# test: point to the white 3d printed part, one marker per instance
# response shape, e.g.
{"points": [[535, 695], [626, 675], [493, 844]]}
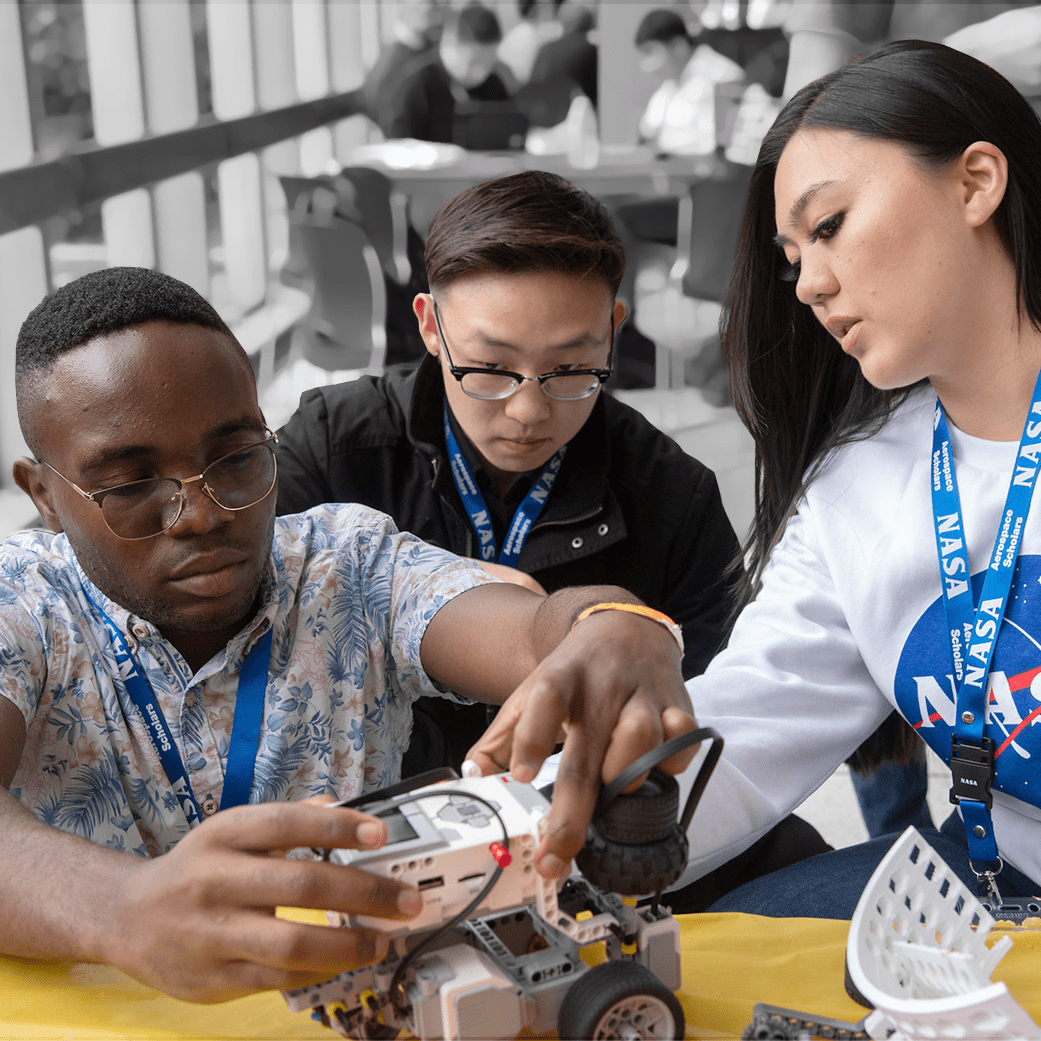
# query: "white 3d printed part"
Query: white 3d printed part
{"points": [[917, 951]]}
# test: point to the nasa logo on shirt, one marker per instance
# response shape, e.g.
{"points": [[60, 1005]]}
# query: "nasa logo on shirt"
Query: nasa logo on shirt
{"points": [[926, 691]]}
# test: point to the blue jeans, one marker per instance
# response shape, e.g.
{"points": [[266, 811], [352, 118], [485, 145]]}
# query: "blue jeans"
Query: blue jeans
{"points": [[893, 797], [829, 885]]}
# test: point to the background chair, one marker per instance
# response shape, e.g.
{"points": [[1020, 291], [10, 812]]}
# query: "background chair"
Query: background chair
{"points": [[346, 326], [364, 197], [715, 219], [682, 305], [332, 257], [385, 216]]}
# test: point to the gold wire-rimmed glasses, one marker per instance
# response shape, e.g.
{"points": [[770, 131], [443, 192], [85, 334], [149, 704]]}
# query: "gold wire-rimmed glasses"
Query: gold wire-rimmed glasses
{"points": [[143, 509]]}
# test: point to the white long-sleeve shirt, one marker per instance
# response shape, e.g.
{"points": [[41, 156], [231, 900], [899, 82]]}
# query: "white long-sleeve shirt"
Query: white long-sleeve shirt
{"points": [[850, 623]]}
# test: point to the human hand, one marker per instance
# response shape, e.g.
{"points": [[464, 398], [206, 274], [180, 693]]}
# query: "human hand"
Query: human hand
{"points": [[613, 686], [198, 922]]}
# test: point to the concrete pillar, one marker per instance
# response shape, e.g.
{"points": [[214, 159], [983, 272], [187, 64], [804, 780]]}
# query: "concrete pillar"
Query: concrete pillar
{"points": [[238, 180], [23, 265], [117, 101], [311, 51], [276, 88], [172, 103], [624, 90], [347, 67]]}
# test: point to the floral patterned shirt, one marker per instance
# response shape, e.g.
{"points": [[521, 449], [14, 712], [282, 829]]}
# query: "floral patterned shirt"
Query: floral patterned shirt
{"points": [[348, 598]]}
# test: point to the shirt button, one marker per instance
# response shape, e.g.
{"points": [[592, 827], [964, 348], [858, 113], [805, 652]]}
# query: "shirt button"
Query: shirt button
{"points": [[139, 629], [577, 541], [189, 698], [603, 529], [209, 806]]}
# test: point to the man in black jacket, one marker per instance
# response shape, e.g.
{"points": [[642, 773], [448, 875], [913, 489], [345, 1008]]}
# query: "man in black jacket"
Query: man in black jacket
{"points": [[419, 100], [501, 446], [523, 273]]}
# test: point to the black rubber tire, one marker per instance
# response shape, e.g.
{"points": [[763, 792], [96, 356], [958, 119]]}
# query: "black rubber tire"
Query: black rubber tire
{"points": [[617, 867], [613, 990], [647, 815], [851, 987]]}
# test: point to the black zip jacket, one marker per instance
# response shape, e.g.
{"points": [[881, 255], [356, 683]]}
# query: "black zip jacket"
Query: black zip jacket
{"points": [[629, 506]]}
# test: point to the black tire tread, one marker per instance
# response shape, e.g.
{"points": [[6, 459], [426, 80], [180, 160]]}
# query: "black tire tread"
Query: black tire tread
{"points": [[647, 815], [851, 987], [617, 867]]}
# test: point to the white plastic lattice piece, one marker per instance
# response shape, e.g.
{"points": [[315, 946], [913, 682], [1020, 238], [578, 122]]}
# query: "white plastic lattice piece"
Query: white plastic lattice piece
{"points": [[917, 950]]}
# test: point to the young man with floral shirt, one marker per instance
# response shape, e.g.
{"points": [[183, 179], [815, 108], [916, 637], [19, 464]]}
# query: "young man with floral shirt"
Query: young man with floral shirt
{"points": [[185, 678]]}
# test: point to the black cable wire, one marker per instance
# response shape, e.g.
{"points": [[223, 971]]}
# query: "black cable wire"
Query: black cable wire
{"points": [[411, 956], [607, 795], [657, 755]]}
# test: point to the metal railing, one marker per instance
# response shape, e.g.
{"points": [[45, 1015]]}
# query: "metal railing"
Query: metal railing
{"points": [[284, 79]]}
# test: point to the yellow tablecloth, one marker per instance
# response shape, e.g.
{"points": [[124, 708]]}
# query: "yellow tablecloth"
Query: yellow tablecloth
{"points": [[729, 963]]}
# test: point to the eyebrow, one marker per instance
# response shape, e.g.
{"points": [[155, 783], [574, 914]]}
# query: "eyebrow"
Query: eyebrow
{"points": [[108, 456], [799, 207], [586, 340]]}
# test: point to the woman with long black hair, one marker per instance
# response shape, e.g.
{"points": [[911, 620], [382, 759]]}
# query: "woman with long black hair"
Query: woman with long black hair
{"points": [[883, 329]]}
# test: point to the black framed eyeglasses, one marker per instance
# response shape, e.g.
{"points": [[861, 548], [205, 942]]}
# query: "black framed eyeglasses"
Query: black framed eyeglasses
{"points": [[143, 509], [496, 384]]}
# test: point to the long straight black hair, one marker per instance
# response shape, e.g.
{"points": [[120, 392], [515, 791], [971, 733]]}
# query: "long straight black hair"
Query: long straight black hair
{"points": [[799, 395]]}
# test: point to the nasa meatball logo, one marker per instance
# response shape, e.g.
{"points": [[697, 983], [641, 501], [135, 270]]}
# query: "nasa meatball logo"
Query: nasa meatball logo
{"points": [[926, 690]]}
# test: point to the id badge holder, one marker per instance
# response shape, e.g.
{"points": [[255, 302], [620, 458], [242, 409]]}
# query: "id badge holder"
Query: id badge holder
{"points": [[972, 770]]}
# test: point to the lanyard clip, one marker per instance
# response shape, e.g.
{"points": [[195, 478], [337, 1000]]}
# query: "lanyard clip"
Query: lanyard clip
{"points": [[987, 886], [972, 768]]}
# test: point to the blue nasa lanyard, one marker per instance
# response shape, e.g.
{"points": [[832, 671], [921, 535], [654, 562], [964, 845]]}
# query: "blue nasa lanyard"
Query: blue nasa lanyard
{"points": [[477, 509], [245, 728], [976, 628]]}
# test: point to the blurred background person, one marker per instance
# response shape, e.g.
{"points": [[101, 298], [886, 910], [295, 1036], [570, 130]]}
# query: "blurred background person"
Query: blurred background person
{"points": [[414, 36], [691, 62], [459, 69], [537, 26], [680, 116], [750, 33], [570, 62], [703, 73], [561, 96]]}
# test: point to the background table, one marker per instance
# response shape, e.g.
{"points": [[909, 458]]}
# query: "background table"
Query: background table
{"points": [[693, 201], [431, 174], [729, 963]]}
